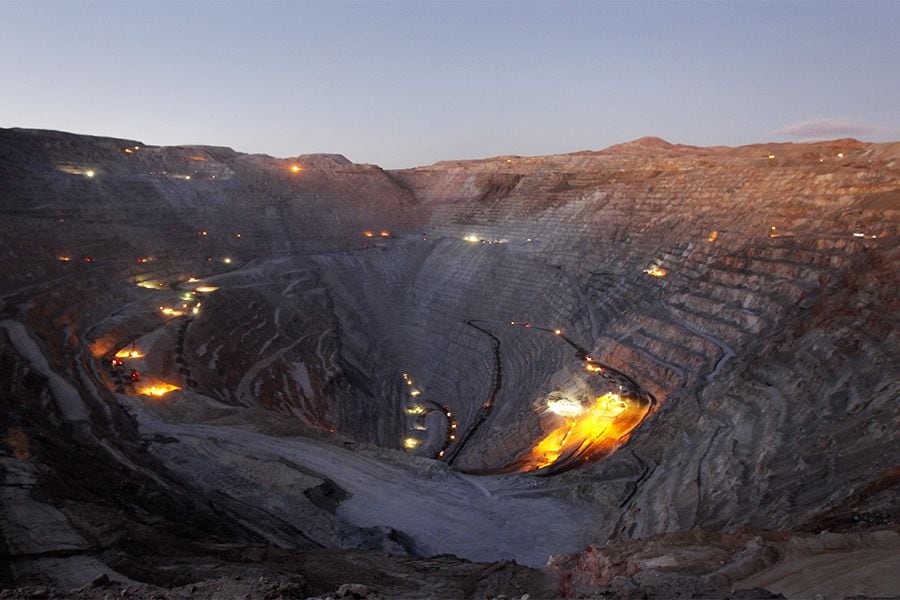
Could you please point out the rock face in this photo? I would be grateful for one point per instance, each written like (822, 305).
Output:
(346, 340)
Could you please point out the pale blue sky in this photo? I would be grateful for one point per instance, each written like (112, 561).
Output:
(403, 84)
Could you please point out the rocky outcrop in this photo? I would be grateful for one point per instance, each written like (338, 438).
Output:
(742, 564)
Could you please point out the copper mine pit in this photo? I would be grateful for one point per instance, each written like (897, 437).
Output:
(219, 365)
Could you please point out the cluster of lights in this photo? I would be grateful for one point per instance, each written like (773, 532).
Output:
(472, 238)
(418, 410)
(656, 272)
(411, 443)
(181, 310)
(452, 431)
(600, 426)
(713, 236)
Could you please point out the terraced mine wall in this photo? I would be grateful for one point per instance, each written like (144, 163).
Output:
(741, 339)
(750, 291)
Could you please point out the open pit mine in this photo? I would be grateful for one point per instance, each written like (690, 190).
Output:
(652, 371)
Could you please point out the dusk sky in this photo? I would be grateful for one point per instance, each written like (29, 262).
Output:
(412, 83)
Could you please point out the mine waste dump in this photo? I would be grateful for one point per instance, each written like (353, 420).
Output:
(315, 373)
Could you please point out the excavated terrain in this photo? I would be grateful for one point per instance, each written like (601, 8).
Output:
(652, 370)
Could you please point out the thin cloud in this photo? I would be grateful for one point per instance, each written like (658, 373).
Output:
(830, 128)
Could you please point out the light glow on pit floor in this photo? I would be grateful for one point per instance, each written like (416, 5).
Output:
(157, 390)
(471, 238)
(600, 427)
(205, 289)
(129, 353)
(415, 410)
(89, 173)
(410, 443)
(656, 272)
